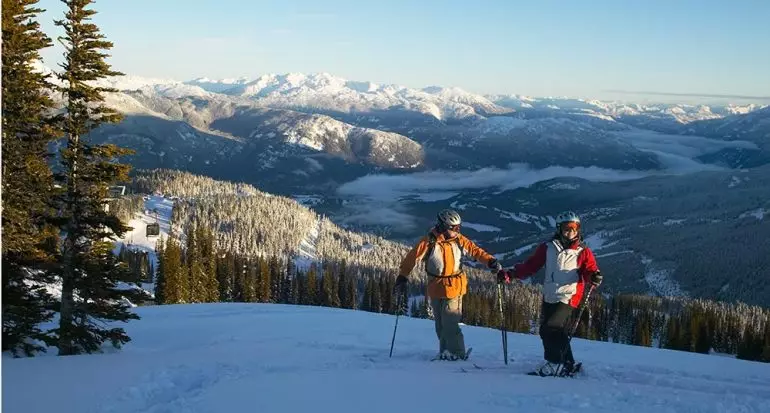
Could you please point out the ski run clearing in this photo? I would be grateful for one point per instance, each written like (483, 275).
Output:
(282, 358)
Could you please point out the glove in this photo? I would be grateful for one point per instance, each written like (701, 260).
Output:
(503, 277)
(400, 284)
(494, 265)
(596, 278)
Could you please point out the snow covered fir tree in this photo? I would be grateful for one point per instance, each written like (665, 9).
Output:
(210, 245)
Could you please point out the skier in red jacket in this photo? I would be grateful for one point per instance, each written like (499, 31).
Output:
(570, 268)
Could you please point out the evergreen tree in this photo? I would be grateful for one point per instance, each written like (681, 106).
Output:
(290, 285)
(703, 338)
(387, 302)
(301, 288)
(414, 309)
(252, 285)
(642, 331)
(342, 286)
(239, 277)
(311, 288)
(765, 354)
(294, 297)
(29, 238)
(264, 289)
(88, 264)
(225, 275)
(176, 283)
(329, 297)
(195, 267)
(159, 276)
(366, 300)
(674, 334)
(376, 296)
(427, 308)
(276, 279)
(423, 313)
(209, 264)
(748, 349)
(284, 291)
(351, 295)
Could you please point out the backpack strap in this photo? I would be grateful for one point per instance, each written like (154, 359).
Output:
(431, 246)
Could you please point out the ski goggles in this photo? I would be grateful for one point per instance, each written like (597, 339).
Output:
(570, 226)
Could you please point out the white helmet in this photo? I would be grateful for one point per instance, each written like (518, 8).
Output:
(449, 218)
(567, 216)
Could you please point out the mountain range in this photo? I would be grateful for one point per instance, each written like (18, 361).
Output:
(383, 158)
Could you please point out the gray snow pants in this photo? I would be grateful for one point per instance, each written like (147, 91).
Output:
(447, 314)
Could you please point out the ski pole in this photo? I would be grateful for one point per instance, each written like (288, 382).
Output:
(398, 311)
(583, 305)
(502, 322)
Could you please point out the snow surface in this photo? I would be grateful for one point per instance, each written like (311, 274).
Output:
(524, 218)
(230, 357)
(757, 213)
(307, 248)
(599, 240)
(481, 227)
(659, 280)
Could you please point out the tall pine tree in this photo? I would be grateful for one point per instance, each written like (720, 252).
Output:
(29, 239)
(351, 294)
(88, 265)
(264, 290)
(225, 276)
(210, 291)
(311, 287)
(176, 283)
(194, 266)
(159, 274)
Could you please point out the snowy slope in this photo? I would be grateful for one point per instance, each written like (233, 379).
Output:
(307, 248)
(156, 209)
(279, 358)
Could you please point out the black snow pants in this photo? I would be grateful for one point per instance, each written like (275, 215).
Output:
(556, 322)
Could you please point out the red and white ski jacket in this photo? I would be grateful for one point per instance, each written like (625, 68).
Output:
(567, 270)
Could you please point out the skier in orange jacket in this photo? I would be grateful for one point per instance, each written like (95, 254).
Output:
(441, 250)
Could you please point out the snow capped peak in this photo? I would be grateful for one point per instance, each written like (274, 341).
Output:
(363, 87)
(228, 81)
(446, 91)
(326, 91)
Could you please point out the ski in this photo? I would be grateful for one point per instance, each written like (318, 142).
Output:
(577, 370)
(442, 357)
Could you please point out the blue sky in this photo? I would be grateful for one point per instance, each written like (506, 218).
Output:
(541, 48)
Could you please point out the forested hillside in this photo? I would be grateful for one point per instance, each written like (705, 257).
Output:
(233, 243)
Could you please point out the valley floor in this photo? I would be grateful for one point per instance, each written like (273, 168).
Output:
(281, 358)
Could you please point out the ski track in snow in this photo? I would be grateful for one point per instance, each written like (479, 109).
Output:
(281, 358)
